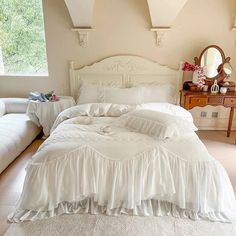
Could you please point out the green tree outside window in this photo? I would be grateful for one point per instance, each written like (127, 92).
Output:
(22, 38)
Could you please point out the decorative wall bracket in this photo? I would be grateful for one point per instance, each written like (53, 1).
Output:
(83, 35)
(159, 33)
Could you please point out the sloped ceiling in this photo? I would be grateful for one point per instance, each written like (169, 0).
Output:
(81, 12)
(164, 12)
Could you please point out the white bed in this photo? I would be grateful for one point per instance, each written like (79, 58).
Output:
(80, 169)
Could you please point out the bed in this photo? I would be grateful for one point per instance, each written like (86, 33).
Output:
(117, 156)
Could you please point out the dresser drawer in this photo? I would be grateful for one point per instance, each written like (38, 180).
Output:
(230, 102)
(198, 101)
(216, 100)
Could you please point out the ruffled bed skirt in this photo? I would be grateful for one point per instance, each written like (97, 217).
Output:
(156, 183)
(147, 208)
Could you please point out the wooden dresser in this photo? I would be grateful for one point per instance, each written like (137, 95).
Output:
(190, 99)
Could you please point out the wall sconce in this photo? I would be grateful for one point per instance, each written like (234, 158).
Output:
(159, 33)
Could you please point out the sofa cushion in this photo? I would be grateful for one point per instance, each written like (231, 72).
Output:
(15, 105)
(16, 133)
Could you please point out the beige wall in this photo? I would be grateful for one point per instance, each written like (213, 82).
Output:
(122, 27)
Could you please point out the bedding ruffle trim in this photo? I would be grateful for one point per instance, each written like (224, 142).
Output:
(155, 182)
(147, 208)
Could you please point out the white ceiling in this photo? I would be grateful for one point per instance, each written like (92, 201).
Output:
(81, 12)
(162, 12)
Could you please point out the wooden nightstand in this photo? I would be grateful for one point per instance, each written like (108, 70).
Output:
(189, 100)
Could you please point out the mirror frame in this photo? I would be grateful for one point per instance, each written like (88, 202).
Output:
(231, 68)
(221, 74)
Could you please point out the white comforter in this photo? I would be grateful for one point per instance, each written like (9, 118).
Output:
(77, 169)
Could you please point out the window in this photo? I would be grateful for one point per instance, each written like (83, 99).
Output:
(22, 38)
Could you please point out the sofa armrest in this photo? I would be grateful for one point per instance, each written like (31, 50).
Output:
(2, 108)
(15, 105)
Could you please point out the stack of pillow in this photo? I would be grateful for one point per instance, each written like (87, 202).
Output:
(95, 93)
(157, 117)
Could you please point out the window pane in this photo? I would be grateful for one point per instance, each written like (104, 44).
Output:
(22, 37)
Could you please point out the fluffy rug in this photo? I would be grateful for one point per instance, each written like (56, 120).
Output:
(102, 225)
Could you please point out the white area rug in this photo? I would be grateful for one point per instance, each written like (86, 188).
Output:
(102, 225)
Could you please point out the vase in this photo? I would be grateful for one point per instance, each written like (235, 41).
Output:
(215, 87)
(195, 77)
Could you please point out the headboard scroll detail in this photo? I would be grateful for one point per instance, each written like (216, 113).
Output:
(124, 71)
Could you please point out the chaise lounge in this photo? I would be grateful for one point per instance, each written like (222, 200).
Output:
(16, 129)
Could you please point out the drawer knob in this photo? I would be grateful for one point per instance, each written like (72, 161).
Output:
(232, 100)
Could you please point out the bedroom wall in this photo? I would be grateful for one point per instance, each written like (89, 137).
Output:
(122, 27)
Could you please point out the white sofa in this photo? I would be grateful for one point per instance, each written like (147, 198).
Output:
(16, 129)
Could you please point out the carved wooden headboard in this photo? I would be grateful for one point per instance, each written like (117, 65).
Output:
(123, 71)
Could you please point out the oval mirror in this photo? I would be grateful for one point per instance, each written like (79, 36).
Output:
(216, 65)
(227, 68)
(211, 59)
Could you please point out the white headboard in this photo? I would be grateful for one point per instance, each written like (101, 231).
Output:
(122, 71)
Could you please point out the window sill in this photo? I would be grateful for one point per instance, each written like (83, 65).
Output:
(24, 75)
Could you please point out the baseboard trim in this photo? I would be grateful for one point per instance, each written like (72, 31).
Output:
(214, 128)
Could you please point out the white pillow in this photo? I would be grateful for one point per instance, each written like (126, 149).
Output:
(2, 108)
(101, 109)
(169, 109)
(89, 93)
(129, 96)
(159, 93)
(92, 110)
(157, 124)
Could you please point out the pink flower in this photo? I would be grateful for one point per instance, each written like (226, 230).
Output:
(197, 69)
(200, 75)
(188, 67)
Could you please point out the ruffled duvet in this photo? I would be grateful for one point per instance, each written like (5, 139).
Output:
(80, 170)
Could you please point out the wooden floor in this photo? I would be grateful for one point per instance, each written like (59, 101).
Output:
(11, 180)
(11, 183)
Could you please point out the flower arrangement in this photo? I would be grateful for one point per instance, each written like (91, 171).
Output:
(198, 72)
